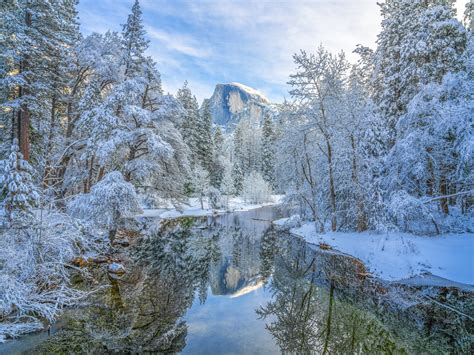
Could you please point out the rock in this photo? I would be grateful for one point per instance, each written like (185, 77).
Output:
(230, 101)
(116, 269)
(80, 262)
(99, 259)
(325, 246)
(122, 242)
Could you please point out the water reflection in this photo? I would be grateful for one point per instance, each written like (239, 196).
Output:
(233, 284)
(324, 303)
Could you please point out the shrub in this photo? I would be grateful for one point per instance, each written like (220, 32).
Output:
(215, 198)
(255, 189)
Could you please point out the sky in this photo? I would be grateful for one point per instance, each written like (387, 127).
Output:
(247, 41)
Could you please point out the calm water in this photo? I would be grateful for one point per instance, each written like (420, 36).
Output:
(234, 285)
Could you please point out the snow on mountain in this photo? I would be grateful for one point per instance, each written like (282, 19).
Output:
(230, 102)
(250, 90)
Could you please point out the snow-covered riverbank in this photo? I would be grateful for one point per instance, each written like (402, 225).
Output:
(396, 256)
(193, 209)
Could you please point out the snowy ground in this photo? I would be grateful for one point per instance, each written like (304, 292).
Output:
(194, 208)
(397, 256)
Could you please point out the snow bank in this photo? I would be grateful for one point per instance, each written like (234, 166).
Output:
(194, 209)
(288, 222)
(396, 256)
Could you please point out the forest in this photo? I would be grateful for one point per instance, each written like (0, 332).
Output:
(89, 140)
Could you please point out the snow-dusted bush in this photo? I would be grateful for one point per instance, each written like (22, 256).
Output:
(109, 200)
(34, 271)
(215, 198)
(293, 221)
(200, 183)
(256, 189)
(411, 214)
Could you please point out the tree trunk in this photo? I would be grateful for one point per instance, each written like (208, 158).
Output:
(24, 113)
(61, 172)
(91, 174)
(361, 215)
(332, 190)
(131, 156)
(329, 319)
(443, 189)
(48, 169)
(13, 126)
(430, 182)
(24, 134)
(101, 173)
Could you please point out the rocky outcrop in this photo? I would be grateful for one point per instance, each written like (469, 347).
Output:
(231, 102)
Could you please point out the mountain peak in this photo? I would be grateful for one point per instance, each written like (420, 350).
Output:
(232, 101)
(250, 90)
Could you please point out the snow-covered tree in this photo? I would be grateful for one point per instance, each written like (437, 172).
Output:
(319, 85)
(237, 177)
(204, 144)
(227, 185)
(218, 159)
(255, 189)
(420, 41)
(201, 183)
(18, 193)
(268, 151)
(35, 275)
(109, 201)
(134, 42)
(123, 121)
(214, 198)
(191, 120)
(35, 53)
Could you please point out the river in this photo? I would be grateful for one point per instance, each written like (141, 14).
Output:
(232, 284)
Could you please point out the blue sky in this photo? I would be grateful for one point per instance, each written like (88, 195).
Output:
(247, 41)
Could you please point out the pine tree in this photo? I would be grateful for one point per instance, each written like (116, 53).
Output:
(237, 169)
(468, 16)
(217, 166)
(190, 122)
(62, 31)
(218, 140)
(204, 137)
(134, 42)
(268, 151)
(39, 36)
(238, 176)
(18, 191)
(420, 41)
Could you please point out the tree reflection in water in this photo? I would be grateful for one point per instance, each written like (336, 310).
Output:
(324, 303)
(315, 302)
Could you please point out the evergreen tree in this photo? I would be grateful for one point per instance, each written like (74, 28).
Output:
(420, 41)
(204, 137)
(218, 140)
(468, 16)
(39, 37)
(268, 151)
(134, 42)
(237, 170)
(238, 176)
(217, 168)
(18, 191)
(190, 122)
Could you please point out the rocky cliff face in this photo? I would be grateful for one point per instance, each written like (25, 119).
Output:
(231, 102)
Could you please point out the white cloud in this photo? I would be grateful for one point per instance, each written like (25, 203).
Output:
(182, 44)
(248, 41)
